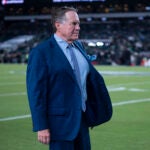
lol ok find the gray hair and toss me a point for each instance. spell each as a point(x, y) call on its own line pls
point(58, 15)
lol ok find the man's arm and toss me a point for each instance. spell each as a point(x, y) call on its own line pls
point(37, 89)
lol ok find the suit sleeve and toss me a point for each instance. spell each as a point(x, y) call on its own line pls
point(36, 80)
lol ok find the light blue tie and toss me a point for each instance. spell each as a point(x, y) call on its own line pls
point(77, 72)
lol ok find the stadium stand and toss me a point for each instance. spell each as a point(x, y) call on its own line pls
point(116, 38)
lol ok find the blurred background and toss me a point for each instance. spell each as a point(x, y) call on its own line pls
point(116, 31)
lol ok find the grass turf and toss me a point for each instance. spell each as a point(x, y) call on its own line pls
point(128, 128)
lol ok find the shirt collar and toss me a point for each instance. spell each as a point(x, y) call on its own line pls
point(60, 41)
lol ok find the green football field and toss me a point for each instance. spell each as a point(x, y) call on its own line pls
point(129, 128)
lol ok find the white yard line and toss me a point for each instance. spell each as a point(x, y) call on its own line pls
point(124, 73)
point(114, 104)
point(130, 84)
point(131, 102)
point(12, 94)
point(11, 83)
point(15, 118)
point(127, 89)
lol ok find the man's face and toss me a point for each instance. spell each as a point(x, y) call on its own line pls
point(69, 28)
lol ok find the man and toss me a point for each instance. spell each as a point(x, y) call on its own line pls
point(66, 94)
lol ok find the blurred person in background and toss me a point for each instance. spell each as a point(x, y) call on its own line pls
point(66, 94)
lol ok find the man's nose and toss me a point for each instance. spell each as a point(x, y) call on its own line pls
point(78, 27)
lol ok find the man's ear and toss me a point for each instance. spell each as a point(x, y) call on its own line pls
point(57, 25)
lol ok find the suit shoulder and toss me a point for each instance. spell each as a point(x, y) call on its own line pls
point(42, 46)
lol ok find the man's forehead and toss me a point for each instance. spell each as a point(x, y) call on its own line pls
point(72, 16)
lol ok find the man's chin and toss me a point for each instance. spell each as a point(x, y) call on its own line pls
point(76, 38)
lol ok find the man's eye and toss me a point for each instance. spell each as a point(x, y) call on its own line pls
point(75, 23)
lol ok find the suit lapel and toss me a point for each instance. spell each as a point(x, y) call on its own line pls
point(58, 54)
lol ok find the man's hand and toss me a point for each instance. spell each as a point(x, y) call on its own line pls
point(44, 136)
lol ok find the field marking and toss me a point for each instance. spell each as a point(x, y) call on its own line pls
point(116, 89)
point(131, 102)
point(111, 88)
point(15, 118)
point(137, 90)
point(127, 89)
point(12, 94)
point(114, 104)
point(17, 72)
point(131, 83)
point(124, 73)
point(11, 83)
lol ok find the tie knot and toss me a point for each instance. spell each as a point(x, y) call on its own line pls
point(70, 45)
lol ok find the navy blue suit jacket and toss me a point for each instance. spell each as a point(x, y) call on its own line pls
point(54, 95)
